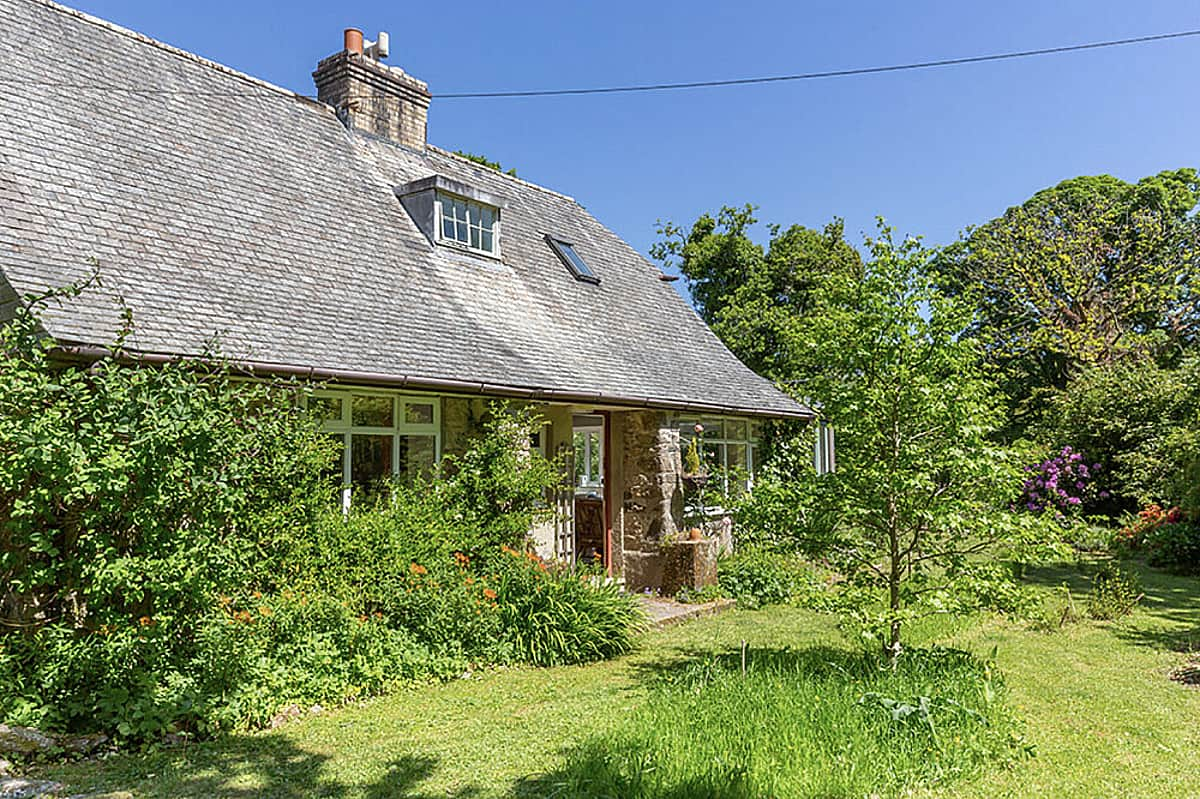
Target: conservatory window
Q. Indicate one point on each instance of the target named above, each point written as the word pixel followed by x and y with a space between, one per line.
pixel 381 437
pixel 728 448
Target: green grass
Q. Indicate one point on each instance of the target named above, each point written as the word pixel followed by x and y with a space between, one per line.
pixel 1094 699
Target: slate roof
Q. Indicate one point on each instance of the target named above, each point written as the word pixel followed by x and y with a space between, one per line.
pixel 217 204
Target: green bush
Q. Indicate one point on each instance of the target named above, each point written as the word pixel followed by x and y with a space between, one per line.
pixel 813 722
pixel 1114 593
pixel 554 615
pixel 128 492
pixel 756 578
pixel 169 560
pixel 1175 547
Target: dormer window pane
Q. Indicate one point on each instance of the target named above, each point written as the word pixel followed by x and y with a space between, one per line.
pixel 468 223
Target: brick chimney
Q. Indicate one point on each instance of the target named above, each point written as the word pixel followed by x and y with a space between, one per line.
pixel 371 96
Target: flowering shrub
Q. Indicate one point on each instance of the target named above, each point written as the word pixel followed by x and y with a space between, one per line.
pixel 1150 518
pixel 1061 485
pixel 554 614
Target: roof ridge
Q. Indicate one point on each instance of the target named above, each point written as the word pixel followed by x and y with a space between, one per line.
pixel 175 51
pixel 505 175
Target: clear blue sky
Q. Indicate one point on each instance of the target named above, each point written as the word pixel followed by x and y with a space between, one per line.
pixel 931 150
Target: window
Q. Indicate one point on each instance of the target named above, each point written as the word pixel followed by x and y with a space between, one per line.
pixel 467 223
pixel 577 265
pixel 381 435
pixel 730 448
pixel 589 453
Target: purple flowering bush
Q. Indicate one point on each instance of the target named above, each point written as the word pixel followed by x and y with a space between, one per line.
pixel 1062 484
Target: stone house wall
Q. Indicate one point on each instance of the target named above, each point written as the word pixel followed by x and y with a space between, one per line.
pixel 649 494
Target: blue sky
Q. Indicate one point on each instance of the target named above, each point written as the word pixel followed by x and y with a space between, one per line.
pixel 932 150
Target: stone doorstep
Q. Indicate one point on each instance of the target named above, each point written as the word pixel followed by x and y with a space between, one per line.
pixel 668 612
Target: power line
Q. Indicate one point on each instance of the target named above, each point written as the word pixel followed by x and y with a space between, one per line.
pixel 266 91
pixel 837 73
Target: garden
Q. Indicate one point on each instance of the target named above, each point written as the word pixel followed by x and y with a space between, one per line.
pixel 994 593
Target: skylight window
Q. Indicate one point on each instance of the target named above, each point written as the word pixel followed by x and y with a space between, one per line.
pixel 577 265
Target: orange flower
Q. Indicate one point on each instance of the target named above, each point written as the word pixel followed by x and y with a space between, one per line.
pixel 469 581
pixel 224 601
pixel 489 593
pixel 257 594
pixel 243 616
pixel 417 568
pixel 461 559
pixel 264 610
pixel 146 621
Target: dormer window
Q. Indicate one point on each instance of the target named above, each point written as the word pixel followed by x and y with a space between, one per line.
pixel 467 223
pixel 454 214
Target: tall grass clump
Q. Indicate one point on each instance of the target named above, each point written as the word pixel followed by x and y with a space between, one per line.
pixel 814 722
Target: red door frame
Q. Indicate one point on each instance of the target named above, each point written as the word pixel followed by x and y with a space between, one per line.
pixel 606 491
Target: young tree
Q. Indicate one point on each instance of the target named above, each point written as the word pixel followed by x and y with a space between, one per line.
pixel 921 484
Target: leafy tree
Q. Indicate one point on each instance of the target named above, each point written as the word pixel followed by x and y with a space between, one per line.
pixel 483 160
pixel 756 298
pixel 921 484
pixel 1086 273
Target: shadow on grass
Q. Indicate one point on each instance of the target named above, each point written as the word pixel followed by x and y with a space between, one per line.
pixel 1169 613
pixel 267 766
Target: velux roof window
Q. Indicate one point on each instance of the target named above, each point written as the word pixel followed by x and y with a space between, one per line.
pixel 577 265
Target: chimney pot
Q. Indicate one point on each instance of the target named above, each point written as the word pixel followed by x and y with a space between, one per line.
pixel 353 39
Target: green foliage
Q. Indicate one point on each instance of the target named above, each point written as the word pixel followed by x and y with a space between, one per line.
pixel 755 300
pixel 756 578
pixel 1089 272
pixel 132 492
pixel 1114 593
pixel 813 722
pixel 691 457
pixel 171 562
pixel 1139 420
pixel 483 160
pixel 1175 547
pixel 921 484
pixel 554 615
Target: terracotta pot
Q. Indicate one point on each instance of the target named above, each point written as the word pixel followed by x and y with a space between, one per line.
pixel 695 534
pixel 694 482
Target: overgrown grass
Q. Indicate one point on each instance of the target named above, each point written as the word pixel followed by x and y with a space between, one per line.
pixel 819 721
pixel 1094 698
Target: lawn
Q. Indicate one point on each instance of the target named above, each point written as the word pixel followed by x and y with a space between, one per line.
pixel 1094 698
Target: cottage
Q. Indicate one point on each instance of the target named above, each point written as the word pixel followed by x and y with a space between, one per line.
pixel 326 238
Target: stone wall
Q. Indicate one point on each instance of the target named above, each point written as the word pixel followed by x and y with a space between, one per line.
pixel 462 418
pixel 651 499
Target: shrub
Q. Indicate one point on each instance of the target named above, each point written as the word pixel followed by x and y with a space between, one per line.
pixel 756 578
pixel 142 492
pixel 1137 419
pixel 1114 593
pixel 554 615
pixel 1061 484
pixel 813 722
pixel 1175 547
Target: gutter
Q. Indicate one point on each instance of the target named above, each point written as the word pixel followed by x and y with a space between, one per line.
pixel 81 352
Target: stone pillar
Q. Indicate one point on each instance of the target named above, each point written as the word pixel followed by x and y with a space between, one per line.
pixel 651 496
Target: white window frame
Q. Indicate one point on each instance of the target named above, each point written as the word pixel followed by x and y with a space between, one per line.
pixel 399 428
pixel 593 456
pixel 473 209
pixel 751 442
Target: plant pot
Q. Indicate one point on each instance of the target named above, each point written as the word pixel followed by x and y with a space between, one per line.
pixel 694 482
pixel 695 534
